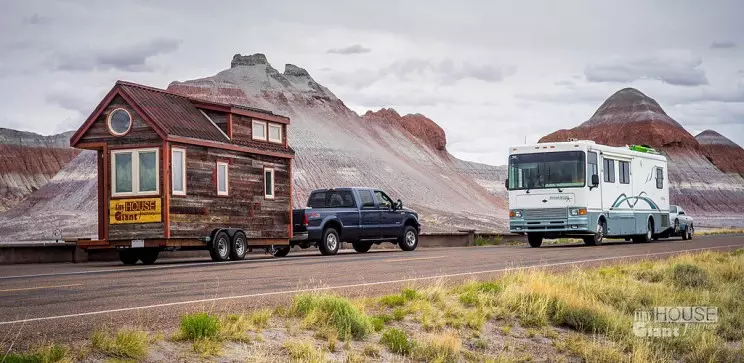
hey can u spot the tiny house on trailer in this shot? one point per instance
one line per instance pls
(176, 173)
(587, 190)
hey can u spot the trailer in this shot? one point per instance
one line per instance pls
(586, 190)
(177, 173)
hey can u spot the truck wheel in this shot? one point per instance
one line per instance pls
(410, 239)
(280, 251)
(239, 246)
(330, 243)
(685, 235)
(128, 257)
(148, 256)
(220, 247)
(362, 247)
(597, 238)
(535, 239)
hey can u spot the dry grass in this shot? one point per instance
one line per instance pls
(124, 343)
(721, 231)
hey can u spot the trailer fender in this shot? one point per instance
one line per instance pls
(230, 233)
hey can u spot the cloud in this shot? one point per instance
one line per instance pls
(35, 19)
(723, 45)
(352, 49)
(680, 68)
(131, 58)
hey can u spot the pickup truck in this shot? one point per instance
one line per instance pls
(360, 216)
(682, 223)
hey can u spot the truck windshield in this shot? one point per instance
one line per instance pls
(331, 199)
(547, 170)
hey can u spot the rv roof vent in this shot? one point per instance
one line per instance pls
(643, 149)
(571, 139)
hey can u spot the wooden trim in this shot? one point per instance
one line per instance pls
(134, 146)
(239, 111)
(223, 146)
(167, 174)
(106, 189)
(227, 178)
(101, 190)
(94, 115)
(91, 145)
(273, 183)
(290, 228)
(230, 126)
(267, 241)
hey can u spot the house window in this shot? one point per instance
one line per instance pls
(119, 122)
(135, 172)
(178, 171)
(259, 130)
(609, 170)
(222, 178)
(659, 178)
(624, 172)
(269, 183)
(275, 133)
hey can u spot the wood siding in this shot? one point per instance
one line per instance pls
(202, 210)
(141, 133)
(219, 118)
(242, 131)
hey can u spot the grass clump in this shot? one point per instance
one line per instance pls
(371, 351)
(207, 347)
(379, 321)
(125, 343)
(689, 275)
(320, 311)
(303, 351)
(199, 326)
(47, 354)
(397, 341)
(443, 348)
(483, 240)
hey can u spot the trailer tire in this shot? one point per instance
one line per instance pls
(280, 251)
(148, 256)
(239, 246)
(330, 242)
(362, 247)
(535, 239)
(220, 250)
(409, 240)
(128, 256)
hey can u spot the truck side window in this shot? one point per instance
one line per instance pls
(659, 178)
(366, 197)
(609, 170)
(383, 199)
(624, 172)
(593, 168)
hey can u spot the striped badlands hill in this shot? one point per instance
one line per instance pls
(722, 152)
(405, 155)
(713, 196)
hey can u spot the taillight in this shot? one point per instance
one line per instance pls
(305, 220)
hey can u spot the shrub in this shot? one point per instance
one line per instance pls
(688, 275)
(329, 310)
(399, 314)
(379, 321)
(47, 354)
(397, 341)
(125, 343)
(260, 318)
(393, 300)
(199, 326)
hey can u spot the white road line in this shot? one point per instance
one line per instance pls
(358, 285)
(413, 259)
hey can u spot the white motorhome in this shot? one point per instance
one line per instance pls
(586, 190)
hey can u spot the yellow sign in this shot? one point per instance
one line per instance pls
(146, 210)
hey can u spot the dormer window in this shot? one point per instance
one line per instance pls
(259, 130)
(275, 133)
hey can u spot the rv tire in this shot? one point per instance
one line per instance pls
(535, 239)
(597, 238)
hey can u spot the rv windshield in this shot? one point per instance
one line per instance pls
(547, 170)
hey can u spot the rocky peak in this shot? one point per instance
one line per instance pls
(418, 125)
(248, 60)
(710, 137)
(386, 113)
(722, 152)
(293, 70)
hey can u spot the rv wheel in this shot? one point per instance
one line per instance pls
(128, 257)
(239, 246)
(535, 239)
(220, 250)
(598, 237)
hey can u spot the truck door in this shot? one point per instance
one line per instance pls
(369, 213)
(390, 219)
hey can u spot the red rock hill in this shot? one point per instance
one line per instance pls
(722, 152)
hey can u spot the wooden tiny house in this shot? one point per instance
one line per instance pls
(180, 173)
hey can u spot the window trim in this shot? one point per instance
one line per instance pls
(135, 172)
(265, 128)
(659, 179)
(623, 172)
(273, 183)
(268, 134)
(183, 171)
(227, 178)
(108, 122)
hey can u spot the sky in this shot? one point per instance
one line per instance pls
(492, 74)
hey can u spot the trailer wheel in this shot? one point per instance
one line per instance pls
(148, 256)
(128, 257)
(535, 239)
(330, 243)
(410, 239)
(362, 247)
(220, 247)
(239, 246)
(280, 251)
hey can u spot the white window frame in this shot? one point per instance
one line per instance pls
(135, 172)
(266, 131)
(183, 171)
(273, 183)
(227, 178)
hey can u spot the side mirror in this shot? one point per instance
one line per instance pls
(595, 180)
(506, 183)
(399, 204)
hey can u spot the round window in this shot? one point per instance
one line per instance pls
(119, 121)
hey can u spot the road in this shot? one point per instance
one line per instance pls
(62, 302)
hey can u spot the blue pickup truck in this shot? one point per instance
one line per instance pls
(360, 216)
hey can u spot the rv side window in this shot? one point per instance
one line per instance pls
(593, 167)
(624, 172)
(659, 178)
(609, 170)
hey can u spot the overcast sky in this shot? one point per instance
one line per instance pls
(490, 73)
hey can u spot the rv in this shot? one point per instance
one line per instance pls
(580, 189)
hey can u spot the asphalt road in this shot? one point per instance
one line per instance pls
(64, 302)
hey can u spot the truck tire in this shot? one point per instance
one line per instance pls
(128, 256)
(535, 239)
(280, 251)
(330, 242)
(148, 256)
(362, 247)
(220, 250)
(409, 240)
(239, 246)
(597, 238)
